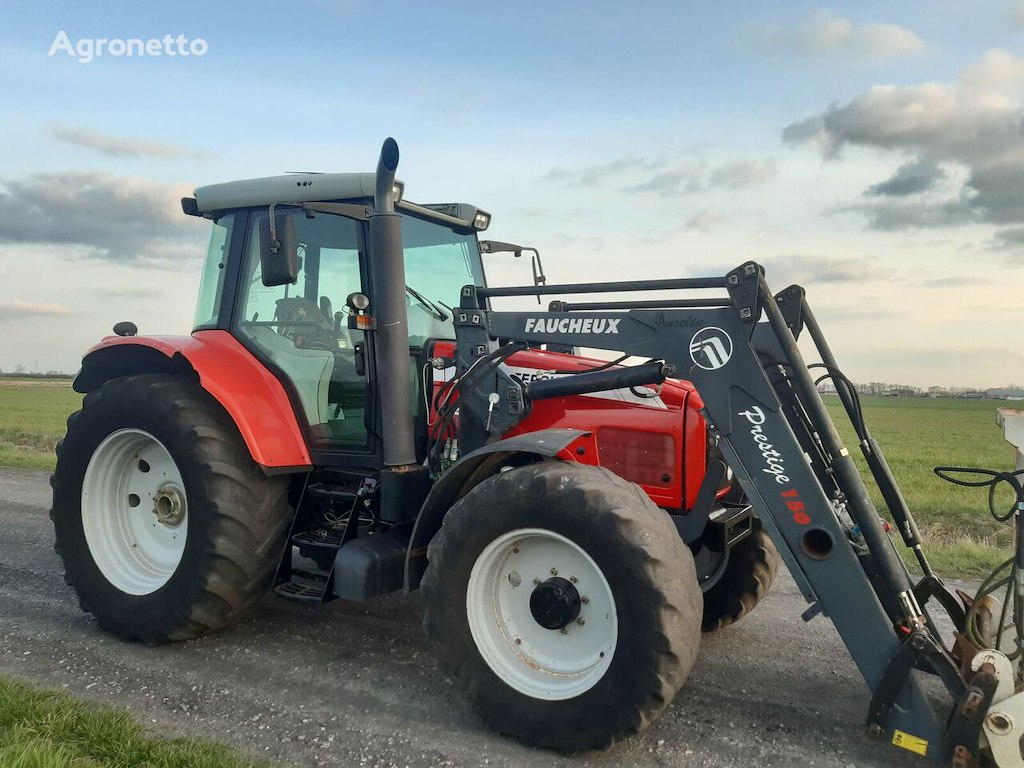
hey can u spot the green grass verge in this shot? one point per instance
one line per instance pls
(47, 729)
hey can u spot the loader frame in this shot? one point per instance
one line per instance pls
(739, 349)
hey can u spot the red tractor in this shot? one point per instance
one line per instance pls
(317, 451)
(351, 417)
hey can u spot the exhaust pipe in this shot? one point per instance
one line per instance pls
(384, 194)
(392, 336)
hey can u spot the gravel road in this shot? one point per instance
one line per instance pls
(354, 684)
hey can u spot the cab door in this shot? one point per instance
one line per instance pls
(301, 332)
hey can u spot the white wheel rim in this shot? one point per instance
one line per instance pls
(551, 664)
(134, 511)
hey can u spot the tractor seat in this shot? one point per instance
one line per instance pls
(309, 369)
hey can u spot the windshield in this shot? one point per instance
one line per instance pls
(438, 261)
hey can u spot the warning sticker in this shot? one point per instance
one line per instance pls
(913, 743)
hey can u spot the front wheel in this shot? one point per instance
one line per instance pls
(166, 526)
(564, 604)
(748, 576)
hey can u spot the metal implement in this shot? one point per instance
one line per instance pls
(760, 398)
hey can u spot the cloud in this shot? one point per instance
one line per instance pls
(680, 180)
(959, 281)
(706, 220)
(827, 34)
(974, 126)
(14, 309)
(1010, 240)
(595, 174)
(134, 293)
(563, 240)
(632, 173)
(558, 173)
(811, 269)
(1012, 237)
(1017, 14)
(528, 212)
(738, 174)
(895, 216)
(909, 179)
(817, 270)
(830, 315)
(976, 117)
(115, 218)
(696, 177)
(122, 146)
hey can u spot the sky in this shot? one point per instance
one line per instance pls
(872, 152)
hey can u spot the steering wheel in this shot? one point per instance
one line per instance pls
(301, 321)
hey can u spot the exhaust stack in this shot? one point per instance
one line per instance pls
(392, 335)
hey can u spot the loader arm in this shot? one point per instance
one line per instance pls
(762, 403)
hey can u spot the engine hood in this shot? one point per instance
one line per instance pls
(540, 363)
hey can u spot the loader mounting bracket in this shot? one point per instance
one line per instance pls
(964, 730)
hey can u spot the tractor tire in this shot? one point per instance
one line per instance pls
(748, 576)
(563, 604)
(166, 527)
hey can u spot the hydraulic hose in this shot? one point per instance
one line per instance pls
(1013, 581)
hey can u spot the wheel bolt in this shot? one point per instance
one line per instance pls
(564, 631)
(581, 621)
(584, 599)
(573, 579)
(536, 580)
(519, 641)
(554, 571)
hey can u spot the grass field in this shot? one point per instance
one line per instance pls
(916, 434)
(33, 413)
(47, 729)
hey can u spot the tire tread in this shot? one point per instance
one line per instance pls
(749, 575)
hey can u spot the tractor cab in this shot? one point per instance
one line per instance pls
(285, 291)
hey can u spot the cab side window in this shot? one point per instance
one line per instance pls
(301, 327)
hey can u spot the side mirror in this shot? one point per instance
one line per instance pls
(279, 249)
(496, 246)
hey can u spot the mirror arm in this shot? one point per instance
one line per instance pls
(275, 244)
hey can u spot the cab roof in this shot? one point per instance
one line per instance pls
(289, 188)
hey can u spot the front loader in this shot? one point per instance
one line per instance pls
(573, 524)
(775, 433)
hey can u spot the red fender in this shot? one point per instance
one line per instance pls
(252, 395)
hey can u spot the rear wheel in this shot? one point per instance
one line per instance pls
(564, 605)
(748, 576)
(166, 526)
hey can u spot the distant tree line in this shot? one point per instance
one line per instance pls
(885, 389)
(20, 373)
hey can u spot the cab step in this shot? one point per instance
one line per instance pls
(301, 592)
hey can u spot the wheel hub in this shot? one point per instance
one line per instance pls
(169, 505)
(555, 603)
